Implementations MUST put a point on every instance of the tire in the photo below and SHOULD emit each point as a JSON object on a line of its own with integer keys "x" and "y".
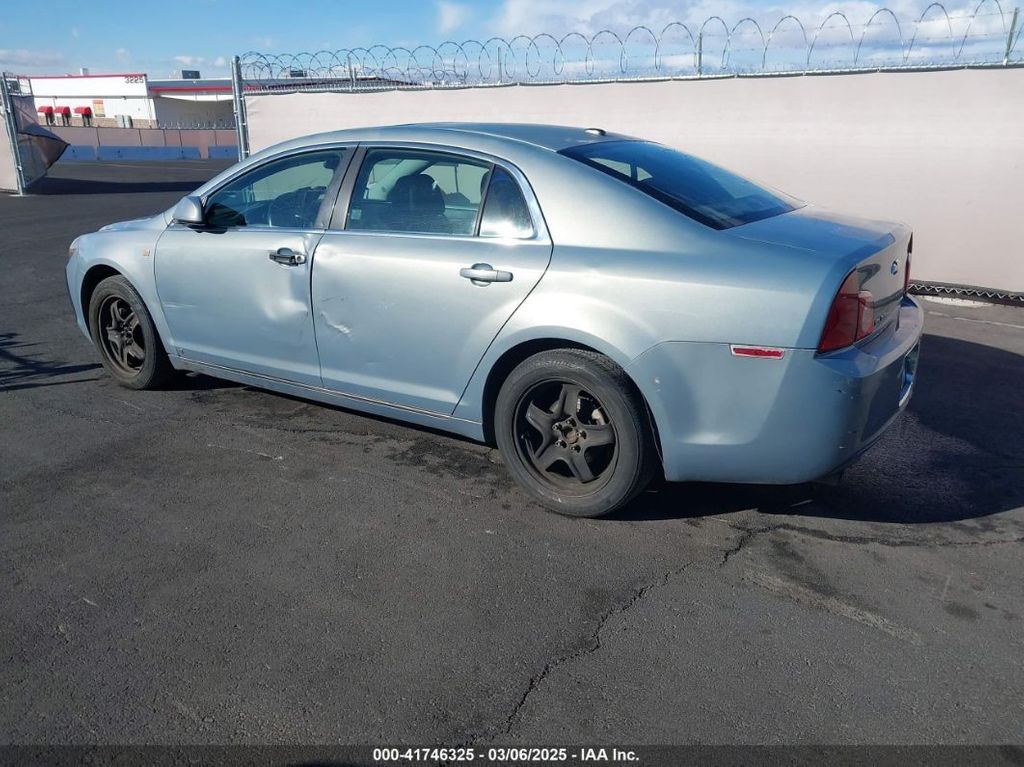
{"x": 123, "y": 332}
{"x": 574, "y": 432}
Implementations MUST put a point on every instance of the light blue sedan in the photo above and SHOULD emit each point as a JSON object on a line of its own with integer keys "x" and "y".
{"x": 601, "y": 307}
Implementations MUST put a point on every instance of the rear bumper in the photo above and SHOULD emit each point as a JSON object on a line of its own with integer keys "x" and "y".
{"x": 723, "y": 418}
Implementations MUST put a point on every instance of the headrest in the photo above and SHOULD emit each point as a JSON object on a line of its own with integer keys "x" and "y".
{"x": 504, "y": 191}
{"x": 418, "y": 192}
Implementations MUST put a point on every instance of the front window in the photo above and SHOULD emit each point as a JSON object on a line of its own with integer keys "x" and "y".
{"x": 284, "y": 193}
{"x": 704, "y": 192}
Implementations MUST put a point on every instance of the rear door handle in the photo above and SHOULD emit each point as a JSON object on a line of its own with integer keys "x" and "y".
{"x": 484, "y": 274}
{"x": 287, "y": 256}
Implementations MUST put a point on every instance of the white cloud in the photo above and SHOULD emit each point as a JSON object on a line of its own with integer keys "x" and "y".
{"x": 451, "y": 16}
{"x": 586, "y": 16}
{"x": 835, "y": 43}
{"x": 219, "y": 63}
{"x": 23, "y": 57}
{"x": 123, "y": 55}
{"x": 530, "y": 17}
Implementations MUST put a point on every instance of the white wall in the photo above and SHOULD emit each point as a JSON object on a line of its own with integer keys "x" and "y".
{"x": 942, "y": 151}
{"x": 205, "y": 111}
{"x": 90, "y": 85}
{"x": 137, "y": 108}
{"x": 125, "y": 94}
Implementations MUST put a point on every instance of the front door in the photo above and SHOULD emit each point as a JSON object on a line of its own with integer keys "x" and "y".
{"x": 436, "y": 254}
{"x": 235, "y": 291}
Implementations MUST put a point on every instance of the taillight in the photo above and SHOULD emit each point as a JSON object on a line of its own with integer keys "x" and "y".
{"x": 906, "y": 268}
{"x": 851, "y": 316}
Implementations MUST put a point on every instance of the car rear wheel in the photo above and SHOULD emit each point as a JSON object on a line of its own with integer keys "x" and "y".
{"x": 574, "y": 432}
{"x": 124, "y": 333}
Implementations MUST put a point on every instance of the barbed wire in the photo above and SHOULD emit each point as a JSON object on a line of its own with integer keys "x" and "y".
{"x": 986, "y": 36}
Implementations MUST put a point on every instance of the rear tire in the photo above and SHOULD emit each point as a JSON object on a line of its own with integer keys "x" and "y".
{"x": 125, "y": 336}
{"x": 574, "y": 432}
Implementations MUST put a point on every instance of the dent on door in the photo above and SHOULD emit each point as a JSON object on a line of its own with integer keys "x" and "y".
{"x": 240, "y": 300}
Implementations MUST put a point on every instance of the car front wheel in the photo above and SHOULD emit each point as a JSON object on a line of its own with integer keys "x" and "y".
{"x": 125, "y": 336}
{"x": 574, "y": 432}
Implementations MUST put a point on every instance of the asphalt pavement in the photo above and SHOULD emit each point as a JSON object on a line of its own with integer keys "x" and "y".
{"x": 211, "y": 563}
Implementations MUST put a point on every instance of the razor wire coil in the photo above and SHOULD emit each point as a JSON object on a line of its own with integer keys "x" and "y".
{"x": 987, "y": 36}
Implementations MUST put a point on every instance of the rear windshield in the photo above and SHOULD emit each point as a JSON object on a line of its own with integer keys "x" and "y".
{"x": 698, "y": 189}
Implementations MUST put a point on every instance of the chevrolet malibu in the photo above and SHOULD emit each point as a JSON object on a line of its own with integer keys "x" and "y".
{"x": 601, "y": 307}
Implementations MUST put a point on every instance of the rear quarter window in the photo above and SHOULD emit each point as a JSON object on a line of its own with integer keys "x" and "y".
{"x": 704, "y": 192}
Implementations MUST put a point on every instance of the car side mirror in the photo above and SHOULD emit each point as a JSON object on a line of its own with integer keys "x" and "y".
{"x": 189, "y": 210}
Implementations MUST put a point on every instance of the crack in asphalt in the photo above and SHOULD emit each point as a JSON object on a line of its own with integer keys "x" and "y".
{"x": 593, "y": 645}
{"x": 748, "y": 533}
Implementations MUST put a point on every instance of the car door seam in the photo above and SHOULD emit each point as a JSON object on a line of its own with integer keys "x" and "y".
{"x": 472, "y": 375}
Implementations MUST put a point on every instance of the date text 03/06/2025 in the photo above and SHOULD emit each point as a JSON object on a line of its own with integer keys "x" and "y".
{"x": 499, "y": 754}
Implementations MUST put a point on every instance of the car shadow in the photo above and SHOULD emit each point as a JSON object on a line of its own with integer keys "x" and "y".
{"x": 47, "y": 186}
{"x": 187, "y": 381}
{"x": 20, "y": 368}
{"x": 954, "y": 455}
{"x": 87, "y": 178}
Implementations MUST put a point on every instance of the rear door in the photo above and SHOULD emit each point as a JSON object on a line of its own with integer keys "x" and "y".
{"x": 427, "y": 257}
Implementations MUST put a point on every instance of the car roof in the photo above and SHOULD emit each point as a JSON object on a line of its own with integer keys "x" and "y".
{"x": 468, "y": 134}
{"x": 529, "y": 147}
{"x": 554, "y": 137}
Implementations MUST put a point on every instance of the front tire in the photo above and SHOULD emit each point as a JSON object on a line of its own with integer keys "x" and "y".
{"x": 125, "y": 336}
{"x": 574, "y": 432}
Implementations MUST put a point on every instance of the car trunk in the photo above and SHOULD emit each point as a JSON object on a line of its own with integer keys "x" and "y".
{"x": 878, "y": 250}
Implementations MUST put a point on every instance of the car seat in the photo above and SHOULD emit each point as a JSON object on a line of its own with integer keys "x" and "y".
{"x": 417, "y": 205}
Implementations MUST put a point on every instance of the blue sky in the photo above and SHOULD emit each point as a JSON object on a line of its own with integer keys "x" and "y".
{"x": 158, "y": 38}
{"x": 58, "y": 36}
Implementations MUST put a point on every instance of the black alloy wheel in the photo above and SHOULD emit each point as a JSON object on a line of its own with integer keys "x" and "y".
{"x": 123, "y": 332}
{"x": 565, "y": 435}
{"x": 122, "y": 341}
{"x": 575, "y": 432}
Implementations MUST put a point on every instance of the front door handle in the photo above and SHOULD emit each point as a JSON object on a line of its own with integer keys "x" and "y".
{"x": 484, "y": 274}
{"x": 287, "y": 256}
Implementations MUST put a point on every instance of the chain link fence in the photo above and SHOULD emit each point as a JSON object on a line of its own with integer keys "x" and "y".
{"x": 196, "y": 124}
{"x": 989, "y": 35}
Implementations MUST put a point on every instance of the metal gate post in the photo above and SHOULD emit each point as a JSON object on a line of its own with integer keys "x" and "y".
{"x": 1009, "y": 37}
{"x": 11, "y": 124}
{"x": 238, "y": 99}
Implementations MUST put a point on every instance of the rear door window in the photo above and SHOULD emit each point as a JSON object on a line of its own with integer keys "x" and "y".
{"x": 704, "y": 192}
{"x": 505, "y": 211}
{"x": 400, "y": 190}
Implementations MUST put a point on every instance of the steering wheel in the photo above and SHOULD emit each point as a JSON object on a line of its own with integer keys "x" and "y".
{"x": 296, "y": 210}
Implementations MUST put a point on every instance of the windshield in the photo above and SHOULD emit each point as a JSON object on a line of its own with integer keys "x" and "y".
{"x": 704, "y": 192}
